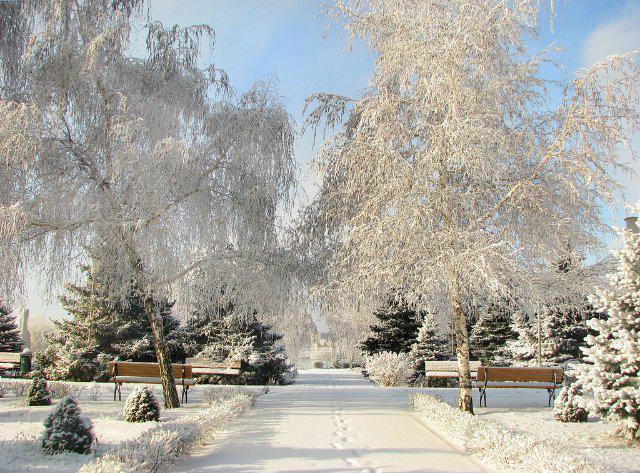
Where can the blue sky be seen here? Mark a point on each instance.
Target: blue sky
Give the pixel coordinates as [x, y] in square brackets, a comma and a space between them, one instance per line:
[295, 41]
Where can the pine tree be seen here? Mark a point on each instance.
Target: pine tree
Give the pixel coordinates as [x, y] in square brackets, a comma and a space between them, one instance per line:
[522, 349]
[613, 353]
[67, 430]
[430, 345]
[568, 408]
[491, 334]
[396, 331]
[10, 339]
[38, 393]
[141, 406]
[101, 329]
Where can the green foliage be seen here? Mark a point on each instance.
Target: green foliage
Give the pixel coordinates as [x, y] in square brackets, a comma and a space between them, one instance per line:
[66, 430]
[38, 393]
[396, 330]
[102, 329]
[491, 334]
[10, 339]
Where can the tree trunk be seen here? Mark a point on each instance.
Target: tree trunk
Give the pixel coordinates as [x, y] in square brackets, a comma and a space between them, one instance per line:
[465, 401]
[169, 390]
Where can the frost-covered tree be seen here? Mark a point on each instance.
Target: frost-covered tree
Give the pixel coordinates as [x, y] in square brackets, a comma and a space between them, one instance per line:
[430, 344]
[149, 166]
[568, 406]
[491, 334]
[613, 353]
[395, 330]
[67, 430]
[10, 339]
[456, 176]
[522, 349]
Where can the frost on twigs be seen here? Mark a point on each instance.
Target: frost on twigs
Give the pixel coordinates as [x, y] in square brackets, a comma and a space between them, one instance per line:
[569, 407]
[141, 406]
[67, 430]
[390, 369]
[455, 179]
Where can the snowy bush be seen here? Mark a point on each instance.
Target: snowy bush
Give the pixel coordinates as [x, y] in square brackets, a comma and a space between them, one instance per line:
[59, 390]
[18, 387]
[506, 450]
[141, 406]
[390, 369]
[66, 430]
[220, 393]
[568, 408]
[38, 394]
[158, 448]
[95, 391]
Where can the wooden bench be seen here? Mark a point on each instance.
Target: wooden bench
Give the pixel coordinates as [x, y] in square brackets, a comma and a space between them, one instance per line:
[220, 368]
[447, 369]
[147, 373]
[549, 378]
[9, 361]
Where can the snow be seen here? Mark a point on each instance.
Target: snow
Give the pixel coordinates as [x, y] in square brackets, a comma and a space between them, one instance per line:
[331, 421]
[21, 426]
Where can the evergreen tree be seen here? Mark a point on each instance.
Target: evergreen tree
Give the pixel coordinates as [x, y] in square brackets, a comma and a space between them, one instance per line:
[564, 331]
[102, 329]
[613, 353]
[141, 406]
[492, 333]
[38, 393]
[396, 330]
[9, 332]
[67, 430]
[522, 349]
[430, 345]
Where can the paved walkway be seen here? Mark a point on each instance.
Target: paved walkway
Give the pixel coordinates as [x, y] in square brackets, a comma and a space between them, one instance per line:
[330, 421]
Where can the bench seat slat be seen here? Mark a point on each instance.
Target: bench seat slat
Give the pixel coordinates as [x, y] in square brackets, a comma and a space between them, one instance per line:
[212, 370]
[9, 357]
[444, 374]
[149, 380]
[516, 384]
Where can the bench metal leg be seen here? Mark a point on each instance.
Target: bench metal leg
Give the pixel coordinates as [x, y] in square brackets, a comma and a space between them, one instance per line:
[185, 394]
[115, 390]
[552, 395]
[483, 395]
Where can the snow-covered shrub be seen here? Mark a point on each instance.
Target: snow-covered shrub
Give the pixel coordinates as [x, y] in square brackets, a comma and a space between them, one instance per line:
[18, 387]
[38, 394]
[141, 406]
[222, 393]
[66, 430]
[568, 408]
[59, 389]
[158, 448]
[506, 450]
[95, 391]
[390, 369]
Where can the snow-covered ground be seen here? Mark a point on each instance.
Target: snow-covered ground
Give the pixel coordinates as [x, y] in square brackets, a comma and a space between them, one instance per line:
[21, 427]
[331, 421]
[526, 411]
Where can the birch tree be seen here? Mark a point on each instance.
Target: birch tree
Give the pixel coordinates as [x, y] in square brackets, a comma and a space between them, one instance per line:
[455, 176]
[151, 167]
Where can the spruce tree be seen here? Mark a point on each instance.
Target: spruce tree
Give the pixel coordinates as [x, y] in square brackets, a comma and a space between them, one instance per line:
[102, 329]
[38, 393]
[67, 430]
[430, 345]
[491, 334]
[613, 353]
[141, 406]
[10, 339]
[396, 330]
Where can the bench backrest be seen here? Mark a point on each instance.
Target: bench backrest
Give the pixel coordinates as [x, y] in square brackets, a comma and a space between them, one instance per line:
[146, 370]
[197, 362]
[450, 365]
[9, 357]
[537, 374]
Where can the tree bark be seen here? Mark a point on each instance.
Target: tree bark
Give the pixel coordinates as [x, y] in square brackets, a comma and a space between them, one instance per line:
[465, 401]
[169, 390]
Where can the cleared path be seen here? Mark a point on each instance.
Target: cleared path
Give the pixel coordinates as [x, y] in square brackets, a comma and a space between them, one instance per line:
[330, 421]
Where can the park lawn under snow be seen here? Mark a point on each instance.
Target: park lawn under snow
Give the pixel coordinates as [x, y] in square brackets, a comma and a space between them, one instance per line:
[21, 426]
[525, 411]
